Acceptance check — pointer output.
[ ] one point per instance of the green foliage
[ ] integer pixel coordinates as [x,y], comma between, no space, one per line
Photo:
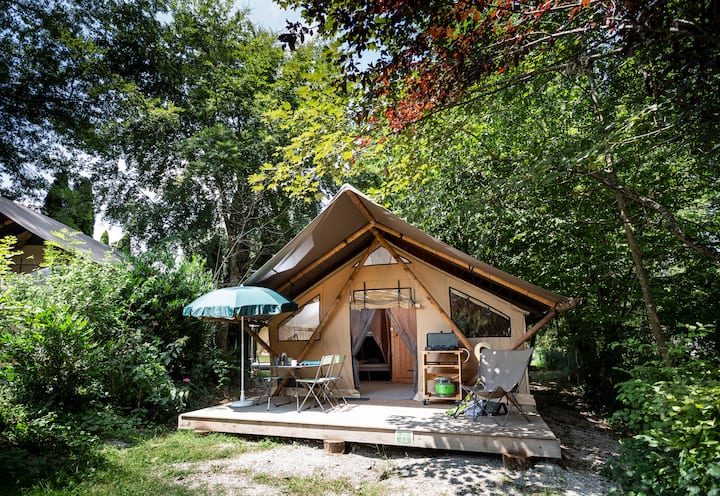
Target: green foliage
[53,359]
[196,137]
[92,352]
[57,57]
[672,416]
[145,467]
[7,252]
[71,204]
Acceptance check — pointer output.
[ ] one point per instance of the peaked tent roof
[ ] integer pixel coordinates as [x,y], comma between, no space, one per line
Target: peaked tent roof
[17,220]
[344,230]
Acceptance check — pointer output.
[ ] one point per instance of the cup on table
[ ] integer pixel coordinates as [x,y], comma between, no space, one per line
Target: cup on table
[293,363]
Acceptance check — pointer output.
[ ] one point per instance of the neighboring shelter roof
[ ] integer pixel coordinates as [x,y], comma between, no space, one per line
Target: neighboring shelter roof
[347,227]
[31,227]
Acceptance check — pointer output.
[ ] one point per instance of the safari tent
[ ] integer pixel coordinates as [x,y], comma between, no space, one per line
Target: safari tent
[371,286]
[32,229]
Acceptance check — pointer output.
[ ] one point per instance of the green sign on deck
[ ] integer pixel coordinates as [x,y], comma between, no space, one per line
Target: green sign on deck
[404,438]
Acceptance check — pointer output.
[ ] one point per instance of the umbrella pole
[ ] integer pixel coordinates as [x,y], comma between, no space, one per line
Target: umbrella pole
[242,402]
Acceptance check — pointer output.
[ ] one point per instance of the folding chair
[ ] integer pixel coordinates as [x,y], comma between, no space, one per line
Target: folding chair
[271,378]
[499,376]
[316,386]
[331,390]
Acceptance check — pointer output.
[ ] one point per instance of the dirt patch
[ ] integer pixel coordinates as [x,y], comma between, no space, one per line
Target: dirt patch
[587,442]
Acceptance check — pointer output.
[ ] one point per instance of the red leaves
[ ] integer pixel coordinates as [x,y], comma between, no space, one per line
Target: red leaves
[463,42]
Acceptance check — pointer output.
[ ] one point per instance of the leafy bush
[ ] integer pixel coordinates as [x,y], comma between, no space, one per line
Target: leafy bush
[552,359]
[81,337]
[672,415]
[53,358]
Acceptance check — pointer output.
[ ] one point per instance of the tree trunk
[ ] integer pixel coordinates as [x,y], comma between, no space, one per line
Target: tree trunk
[642,275]
[643,279]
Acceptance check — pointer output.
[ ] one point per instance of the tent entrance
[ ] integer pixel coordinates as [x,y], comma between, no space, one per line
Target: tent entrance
[384,345]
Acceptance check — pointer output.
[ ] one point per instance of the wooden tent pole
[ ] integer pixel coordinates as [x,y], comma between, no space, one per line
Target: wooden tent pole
[568,305]
[262,343]
[323,258]
[503,282]
[471,268]
[385,244]
[253,335]
[336,304]
[331,311]
[557,307]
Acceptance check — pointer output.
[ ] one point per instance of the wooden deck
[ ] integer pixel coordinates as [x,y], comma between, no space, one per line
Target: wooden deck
[385,422]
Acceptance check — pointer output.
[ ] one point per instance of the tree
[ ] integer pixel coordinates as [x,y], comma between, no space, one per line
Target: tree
[628,59]
[56,59]
[430,54]
[322,137]
[71,204]
[508,179]
[190,143]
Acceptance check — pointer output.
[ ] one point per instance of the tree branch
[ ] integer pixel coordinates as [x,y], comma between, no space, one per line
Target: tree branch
[668,217]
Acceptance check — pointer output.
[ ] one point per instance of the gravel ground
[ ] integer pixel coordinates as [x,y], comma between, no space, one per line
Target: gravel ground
[370,469]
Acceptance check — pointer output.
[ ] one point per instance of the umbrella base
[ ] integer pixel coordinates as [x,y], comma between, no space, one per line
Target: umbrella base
[241,403]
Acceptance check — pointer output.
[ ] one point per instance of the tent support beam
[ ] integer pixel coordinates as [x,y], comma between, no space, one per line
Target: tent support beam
[449,258]
[261,342]
[473,269]
[455,329]
[336,304]
[568,305]
[385,244]
[323,258]
[253,335]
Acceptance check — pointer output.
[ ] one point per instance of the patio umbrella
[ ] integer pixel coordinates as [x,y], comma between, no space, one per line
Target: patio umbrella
[236,303]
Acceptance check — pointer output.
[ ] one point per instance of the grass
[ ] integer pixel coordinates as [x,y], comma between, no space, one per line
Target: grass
[316,485]
[150,467]
[143,468]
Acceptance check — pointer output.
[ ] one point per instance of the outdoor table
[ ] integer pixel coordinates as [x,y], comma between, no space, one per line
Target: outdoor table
[275,369]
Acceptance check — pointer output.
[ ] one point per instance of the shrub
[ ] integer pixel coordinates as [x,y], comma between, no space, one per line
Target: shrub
[672,415]
[52,359]
[82,336]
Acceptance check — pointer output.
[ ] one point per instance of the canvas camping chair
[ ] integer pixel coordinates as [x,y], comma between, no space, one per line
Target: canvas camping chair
[316,387]
[499,376]
[331,390]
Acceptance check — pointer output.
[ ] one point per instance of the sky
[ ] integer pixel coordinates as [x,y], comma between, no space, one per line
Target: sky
[268,14]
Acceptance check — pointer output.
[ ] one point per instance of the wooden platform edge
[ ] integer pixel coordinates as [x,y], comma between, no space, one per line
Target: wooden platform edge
[468,442]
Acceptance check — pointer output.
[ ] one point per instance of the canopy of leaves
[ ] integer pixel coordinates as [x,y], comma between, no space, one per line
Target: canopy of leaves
[54,58]
[189,143]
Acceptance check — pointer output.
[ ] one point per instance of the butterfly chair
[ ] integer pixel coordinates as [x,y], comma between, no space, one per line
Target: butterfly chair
[499,376]
[317,386]
[331,390]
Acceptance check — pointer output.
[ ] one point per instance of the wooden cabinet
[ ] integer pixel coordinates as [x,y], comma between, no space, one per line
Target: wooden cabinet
[437,364]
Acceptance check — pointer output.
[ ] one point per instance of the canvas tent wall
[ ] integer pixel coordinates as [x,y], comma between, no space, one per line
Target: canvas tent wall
[355,246]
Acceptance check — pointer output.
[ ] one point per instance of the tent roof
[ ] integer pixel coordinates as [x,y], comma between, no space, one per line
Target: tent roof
[342,231]
[25,224]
